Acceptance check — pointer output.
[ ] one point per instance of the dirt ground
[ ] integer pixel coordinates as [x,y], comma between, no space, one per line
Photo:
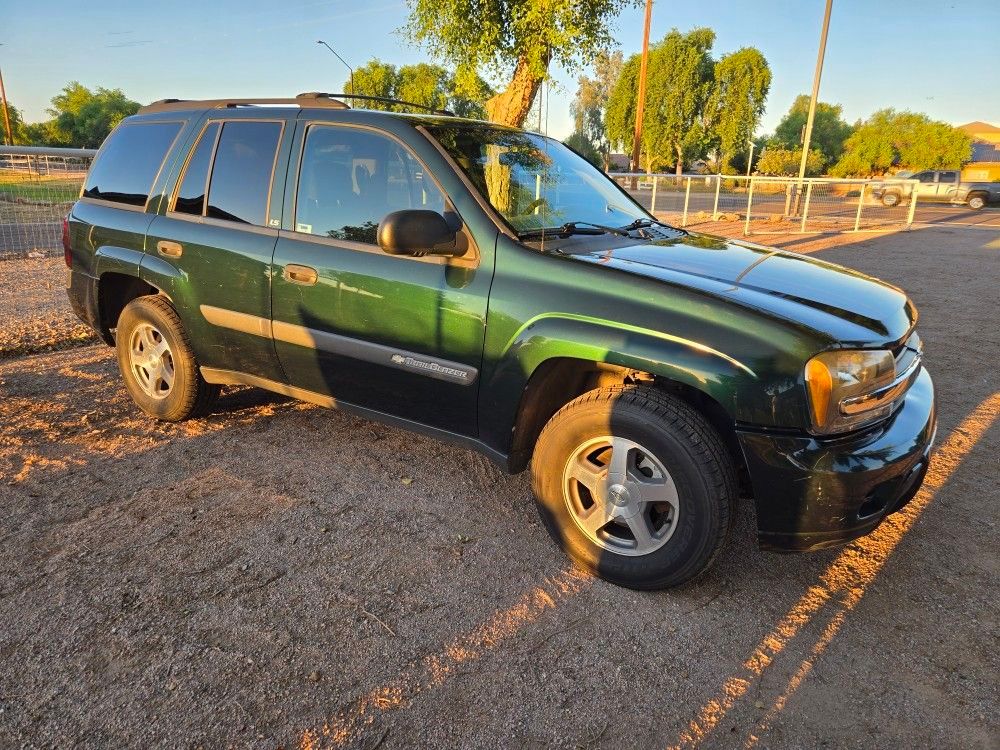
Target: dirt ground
[279,575]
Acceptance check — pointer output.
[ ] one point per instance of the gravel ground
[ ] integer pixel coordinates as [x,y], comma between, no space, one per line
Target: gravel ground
[279,575]
[34,313]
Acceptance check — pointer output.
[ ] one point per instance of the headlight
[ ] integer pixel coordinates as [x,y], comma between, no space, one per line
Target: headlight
[849,389]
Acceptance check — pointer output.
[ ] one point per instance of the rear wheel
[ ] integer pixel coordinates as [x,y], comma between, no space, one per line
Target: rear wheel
[635,486]
[976,201]
[890,199]
[157,362]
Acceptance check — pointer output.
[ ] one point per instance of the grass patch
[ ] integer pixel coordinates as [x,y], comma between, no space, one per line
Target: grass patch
[50,189]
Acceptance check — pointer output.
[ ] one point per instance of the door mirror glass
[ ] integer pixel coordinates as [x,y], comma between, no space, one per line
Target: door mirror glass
[417,232]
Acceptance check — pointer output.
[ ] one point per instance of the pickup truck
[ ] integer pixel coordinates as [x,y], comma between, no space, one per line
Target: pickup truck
[489,287]
[940,186]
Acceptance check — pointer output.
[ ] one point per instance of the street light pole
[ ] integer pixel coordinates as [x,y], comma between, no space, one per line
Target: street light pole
[750,160]
[815,92]
[320,41]
[640,105]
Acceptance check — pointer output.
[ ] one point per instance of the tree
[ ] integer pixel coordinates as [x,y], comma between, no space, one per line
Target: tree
[517,39]
[679,82]
[591,101]
[902,140]
[423,84]
[19,130]
[829,129]
[742,81]
[581,143]
[83,118]
[785,162]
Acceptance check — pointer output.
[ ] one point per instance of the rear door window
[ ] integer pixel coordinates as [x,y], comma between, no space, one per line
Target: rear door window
[191,194]
[129,161]
[242,171]
[947,176]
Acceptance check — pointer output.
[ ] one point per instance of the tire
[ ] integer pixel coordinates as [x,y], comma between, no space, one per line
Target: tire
[676,495]
[976,201]
[890,199]
[158,364]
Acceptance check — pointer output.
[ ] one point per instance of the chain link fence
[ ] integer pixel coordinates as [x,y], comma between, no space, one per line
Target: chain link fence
[768,205]
[37,188]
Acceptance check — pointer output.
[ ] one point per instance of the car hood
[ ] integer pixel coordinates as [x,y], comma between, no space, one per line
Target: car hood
[847,306]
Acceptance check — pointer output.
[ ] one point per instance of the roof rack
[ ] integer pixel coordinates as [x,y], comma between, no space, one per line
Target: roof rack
[308,99]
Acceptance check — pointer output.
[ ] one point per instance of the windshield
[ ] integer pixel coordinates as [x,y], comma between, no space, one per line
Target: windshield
[535,182]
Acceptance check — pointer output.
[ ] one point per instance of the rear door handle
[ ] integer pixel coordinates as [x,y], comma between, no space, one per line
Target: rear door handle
[300,274]
[169,249]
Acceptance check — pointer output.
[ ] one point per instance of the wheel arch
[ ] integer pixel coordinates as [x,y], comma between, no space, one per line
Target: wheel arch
[114,291]
[561,359]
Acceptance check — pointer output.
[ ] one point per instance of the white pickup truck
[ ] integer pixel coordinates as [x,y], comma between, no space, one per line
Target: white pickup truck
[943,186]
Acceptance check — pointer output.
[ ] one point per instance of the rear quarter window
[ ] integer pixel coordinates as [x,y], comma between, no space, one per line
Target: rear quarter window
[129,161]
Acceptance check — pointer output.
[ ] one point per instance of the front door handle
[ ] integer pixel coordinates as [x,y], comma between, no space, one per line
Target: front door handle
[300,274]
[169,249]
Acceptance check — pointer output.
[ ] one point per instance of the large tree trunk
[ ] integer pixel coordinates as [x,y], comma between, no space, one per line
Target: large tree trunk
[680,159]
[511,106]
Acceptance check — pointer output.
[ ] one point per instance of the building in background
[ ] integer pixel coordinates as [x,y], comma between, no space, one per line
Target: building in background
[985,164]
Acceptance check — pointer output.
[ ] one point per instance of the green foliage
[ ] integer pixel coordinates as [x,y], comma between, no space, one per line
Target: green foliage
[592,99]
[785,162]
[742,82]
[424,84]
[19,129]
[516,39]
[902,140]
[693,104]
[581,143]
[83,118]
[829,129]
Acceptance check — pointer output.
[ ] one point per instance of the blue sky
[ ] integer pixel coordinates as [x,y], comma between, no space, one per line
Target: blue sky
[932,56]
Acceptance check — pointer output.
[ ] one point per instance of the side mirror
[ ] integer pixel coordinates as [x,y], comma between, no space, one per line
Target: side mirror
[417,232]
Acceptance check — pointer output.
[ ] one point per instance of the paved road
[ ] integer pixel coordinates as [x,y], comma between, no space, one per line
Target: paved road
[824,211]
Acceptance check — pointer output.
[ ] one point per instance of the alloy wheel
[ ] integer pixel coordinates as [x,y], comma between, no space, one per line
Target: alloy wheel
[151,361]
[620,496]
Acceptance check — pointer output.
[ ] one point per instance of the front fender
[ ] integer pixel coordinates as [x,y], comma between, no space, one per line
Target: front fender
[691,363]
[561,336]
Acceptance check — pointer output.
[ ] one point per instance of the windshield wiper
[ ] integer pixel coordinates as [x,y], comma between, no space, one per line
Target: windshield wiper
[643,223]
[572,227]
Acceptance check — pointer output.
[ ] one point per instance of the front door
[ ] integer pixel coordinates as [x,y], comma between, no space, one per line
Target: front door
[216,238]
[399,335]
[926,190]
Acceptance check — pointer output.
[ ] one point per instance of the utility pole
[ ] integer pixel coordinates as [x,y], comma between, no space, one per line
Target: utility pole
[9,137]
[750,160]
[640,105]
[320,41]
[815,92]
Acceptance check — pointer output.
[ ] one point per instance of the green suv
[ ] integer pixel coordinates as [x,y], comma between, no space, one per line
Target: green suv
[488,286]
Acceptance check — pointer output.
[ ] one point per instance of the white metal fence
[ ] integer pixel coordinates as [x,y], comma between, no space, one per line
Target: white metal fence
[769,204]
[37,189]
[38,186]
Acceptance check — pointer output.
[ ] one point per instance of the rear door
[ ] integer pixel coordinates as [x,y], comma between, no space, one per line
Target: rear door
[399,335]
[215,243]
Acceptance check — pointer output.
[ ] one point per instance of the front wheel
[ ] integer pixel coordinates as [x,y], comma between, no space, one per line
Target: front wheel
[635,486]
[976,201]
[890,199]
[157,362]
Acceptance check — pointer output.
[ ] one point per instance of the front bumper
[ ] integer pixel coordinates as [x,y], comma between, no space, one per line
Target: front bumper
[812,494]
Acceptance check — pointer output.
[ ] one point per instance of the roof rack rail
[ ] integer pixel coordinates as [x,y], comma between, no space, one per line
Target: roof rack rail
[307,99]
[381,99]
